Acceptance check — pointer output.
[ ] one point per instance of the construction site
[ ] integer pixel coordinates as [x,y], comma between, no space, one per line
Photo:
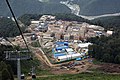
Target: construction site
[60,45]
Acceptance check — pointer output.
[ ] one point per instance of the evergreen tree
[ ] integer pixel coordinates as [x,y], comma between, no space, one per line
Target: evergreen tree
[106,57]
[5,74]
[117,59]
[11,72]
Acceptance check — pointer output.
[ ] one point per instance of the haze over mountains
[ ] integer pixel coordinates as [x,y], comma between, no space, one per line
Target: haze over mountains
[87,7]
[98,7]
[21,7]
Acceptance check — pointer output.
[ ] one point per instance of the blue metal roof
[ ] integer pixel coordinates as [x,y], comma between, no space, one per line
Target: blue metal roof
[62,47]
[59,54]
[53,50]
[78,59]
[58,43]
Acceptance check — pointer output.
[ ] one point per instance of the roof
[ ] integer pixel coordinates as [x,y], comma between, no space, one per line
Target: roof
[69,50]
[58,43]
[110,32]
[62,47]
[79,59]
[59,54]
[84,44]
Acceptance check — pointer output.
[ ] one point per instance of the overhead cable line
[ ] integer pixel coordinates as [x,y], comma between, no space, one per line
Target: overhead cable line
[10,42]
[10,8]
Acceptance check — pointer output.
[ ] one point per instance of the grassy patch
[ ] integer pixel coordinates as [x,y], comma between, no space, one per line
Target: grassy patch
[35,44]
[43,72]
[27,65]
[96,62]
[82,76]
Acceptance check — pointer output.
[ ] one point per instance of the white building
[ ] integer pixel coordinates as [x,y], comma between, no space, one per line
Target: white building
[109,32]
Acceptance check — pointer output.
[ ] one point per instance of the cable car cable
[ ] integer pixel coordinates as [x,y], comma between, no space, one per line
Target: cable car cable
[8,4]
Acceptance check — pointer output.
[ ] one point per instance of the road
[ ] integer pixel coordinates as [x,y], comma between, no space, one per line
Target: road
[42,57]
[95,17]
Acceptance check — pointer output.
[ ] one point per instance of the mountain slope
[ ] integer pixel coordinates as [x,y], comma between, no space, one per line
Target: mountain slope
[87,7]
[21,7]
[99,7]
[107,22]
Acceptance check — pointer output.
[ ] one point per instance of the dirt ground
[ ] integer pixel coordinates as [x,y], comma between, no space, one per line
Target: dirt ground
[110,68]
[80,66]
[85,65]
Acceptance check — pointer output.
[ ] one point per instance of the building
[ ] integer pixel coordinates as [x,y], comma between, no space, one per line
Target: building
[35,22]
[42,27]
[109,32]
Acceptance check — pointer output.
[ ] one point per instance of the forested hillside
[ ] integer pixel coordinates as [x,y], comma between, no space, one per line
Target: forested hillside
[70,17]
[108,22]
[6,72]
[107,49]
[87,7]
[98,7]
[26,18]
[8,28]
[21,7]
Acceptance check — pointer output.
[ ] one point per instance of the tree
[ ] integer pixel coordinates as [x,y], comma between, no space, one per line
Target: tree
[5,74]
[117,59]
[2,65]
[70,17]
[6,71]
[2,49]
[26,18]
[8,28]
[106,57]
[107,49]
[11,72]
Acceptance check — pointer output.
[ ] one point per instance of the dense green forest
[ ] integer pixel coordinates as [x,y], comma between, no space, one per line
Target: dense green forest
[8,28]
[6,72]
[107,49]
[8,68]
[70,17]
[21,7]
[108,22]
[26,18]
[87,7]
